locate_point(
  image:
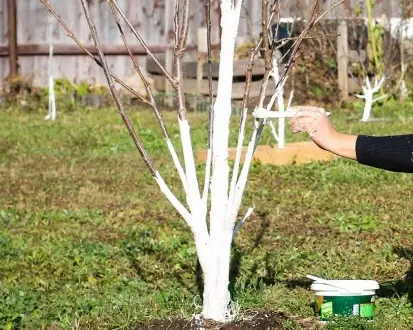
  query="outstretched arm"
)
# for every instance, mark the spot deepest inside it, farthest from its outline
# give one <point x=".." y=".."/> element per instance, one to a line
<point x="392" y="153"/>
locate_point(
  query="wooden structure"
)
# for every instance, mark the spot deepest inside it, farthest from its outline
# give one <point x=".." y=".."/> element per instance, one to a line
<point x="12" y="32"/>
<point x="192" y="86"/>
<point x="293" y="153"/>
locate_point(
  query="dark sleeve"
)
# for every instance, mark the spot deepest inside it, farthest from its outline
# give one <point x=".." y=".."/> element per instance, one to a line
<point x="392" y="153"/>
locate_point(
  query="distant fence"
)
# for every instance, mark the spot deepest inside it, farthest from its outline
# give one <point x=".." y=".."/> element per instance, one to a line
<point x="148" y="16"/>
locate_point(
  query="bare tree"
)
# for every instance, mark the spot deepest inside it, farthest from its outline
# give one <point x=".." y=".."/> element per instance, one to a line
<point x="210" y="210"/>
<point x="368" y="95"/>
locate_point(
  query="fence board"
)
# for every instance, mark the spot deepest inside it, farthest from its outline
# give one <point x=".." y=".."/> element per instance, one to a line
<point x="33" y="20"/>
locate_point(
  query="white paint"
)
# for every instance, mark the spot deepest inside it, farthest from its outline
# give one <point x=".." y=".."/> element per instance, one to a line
<point x="242" y="181"/>
<point x="173" y="200"/>
<point x="368" y="93"/>
<point x="278" y="95"/>
<point x="193" y="195"/>
<point x="235" y="171"/>
<point x="207" y="177"/>
<point x="178" y="165"/>
<point x="281" y="106"/>
<point x="51" y="114"/>
<point x="216" y="294"/>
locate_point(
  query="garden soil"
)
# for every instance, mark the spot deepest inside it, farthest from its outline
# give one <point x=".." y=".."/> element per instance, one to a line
<point x="256" y="320"/>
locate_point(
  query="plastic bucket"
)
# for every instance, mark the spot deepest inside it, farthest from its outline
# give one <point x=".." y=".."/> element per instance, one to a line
<point x="345" y="298"/>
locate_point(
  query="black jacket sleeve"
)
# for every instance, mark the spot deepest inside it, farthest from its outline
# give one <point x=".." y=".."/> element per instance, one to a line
<point x="392" y="153"/>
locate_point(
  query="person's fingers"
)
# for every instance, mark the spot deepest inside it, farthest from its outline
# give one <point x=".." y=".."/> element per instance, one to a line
<point x="307" y="108"/>
<point x="308" y="113"/>
<point x="299" y="118"/>
<point x="303" y="125"/>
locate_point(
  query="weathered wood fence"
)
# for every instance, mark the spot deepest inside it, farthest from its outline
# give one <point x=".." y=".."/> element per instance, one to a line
<point x="24" y="24"/>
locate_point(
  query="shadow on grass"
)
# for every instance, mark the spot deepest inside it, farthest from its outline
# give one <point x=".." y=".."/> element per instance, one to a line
<point x="400" y="287"/>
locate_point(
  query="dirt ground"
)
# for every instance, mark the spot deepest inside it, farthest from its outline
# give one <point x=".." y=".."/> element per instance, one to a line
<point x="253" y="319"/>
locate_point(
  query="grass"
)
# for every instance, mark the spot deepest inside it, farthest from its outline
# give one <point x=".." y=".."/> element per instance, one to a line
<point x="87" y="241"/>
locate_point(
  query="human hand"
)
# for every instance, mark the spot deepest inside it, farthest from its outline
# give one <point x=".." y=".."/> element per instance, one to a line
<point x="314" y="121"/>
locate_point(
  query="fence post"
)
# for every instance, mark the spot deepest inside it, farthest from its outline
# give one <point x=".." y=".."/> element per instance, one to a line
<point x="12" y="31"/>
<point x="342" y="58"/>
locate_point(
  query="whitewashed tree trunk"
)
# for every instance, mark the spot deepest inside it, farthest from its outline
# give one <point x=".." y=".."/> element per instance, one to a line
<point x="216" y="275"/>
<point x="368" y="96"/>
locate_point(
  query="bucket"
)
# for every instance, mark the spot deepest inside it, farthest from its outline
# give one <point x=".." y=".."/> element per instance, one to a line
<point x="345" y="298"/>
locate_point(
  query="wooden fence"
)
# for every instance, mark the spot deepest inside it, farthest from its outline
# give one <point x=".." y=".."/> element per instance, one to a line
<point x="148" y="16"/>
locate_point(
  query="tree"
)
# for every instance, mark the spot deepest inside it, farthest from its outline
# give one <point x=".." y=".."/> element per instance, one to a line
<point x="368" y="96"/>
<point x="211" y="212"/>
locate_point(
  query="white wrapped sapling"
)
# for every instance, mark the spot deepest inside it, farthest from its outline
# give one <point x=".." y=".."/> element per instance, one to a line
<point x="368" y="95"/>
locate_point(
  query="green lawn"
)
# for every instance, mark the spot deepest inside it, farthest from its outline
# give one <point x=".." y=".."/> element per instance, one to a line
<point x="87" y="240"/>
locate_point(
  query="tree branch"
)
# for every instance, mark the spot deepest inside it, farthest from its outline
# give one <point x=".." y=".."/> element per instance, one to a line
<point x="142" y="42"/>
<point x="208" y="167"/>
<point x="153" y="104"/>
<point x="181" y="35"/>
<point x="164" y="188"/>
<point x="71" y="35"/>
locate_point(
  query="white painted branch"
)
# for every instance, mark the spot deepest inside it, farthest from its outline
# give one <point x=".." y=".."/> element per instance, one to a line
<point x="275" y="96"/>
<point x="290" y="100"/>
<point x="368" y="84"/>
<point x="240" y="143"/>
<point x="173" y="200"/>
<point x="221" y="120"/>
<point x="261" y="113"/>
<point x="380" y="98"/>
<point x="273" y="130"/>
<point x="207" y="181"/>
<point x="281" y="106"/>
<point x="178" y="165"/>
<point x="232" y="213"/>
<point x="51" y="114"/>
<point x="279" y="96"/>
<point x="193" y="195"/>
<point x="241" y="223"/>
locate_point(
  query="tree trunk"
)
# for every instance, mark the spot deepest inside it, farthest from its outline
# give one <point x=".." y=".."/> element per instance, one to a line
<point x="216" y="272"/>
<point x="216" y="280"/>
<point x="367" y="108"/>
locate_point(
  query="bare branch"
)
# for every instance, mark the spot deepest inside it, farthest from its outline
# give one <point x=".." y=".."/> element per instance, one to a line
<point x="179" y="207"/>
<point x="144" y="45"/>
<point x="211" y="92"/>
<point x="180" y="45"/>
<point x="211" y="104"/>
<point x="154" y="106"/>
<point x="266" y="48"/>
<point x="71" y="35"/>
